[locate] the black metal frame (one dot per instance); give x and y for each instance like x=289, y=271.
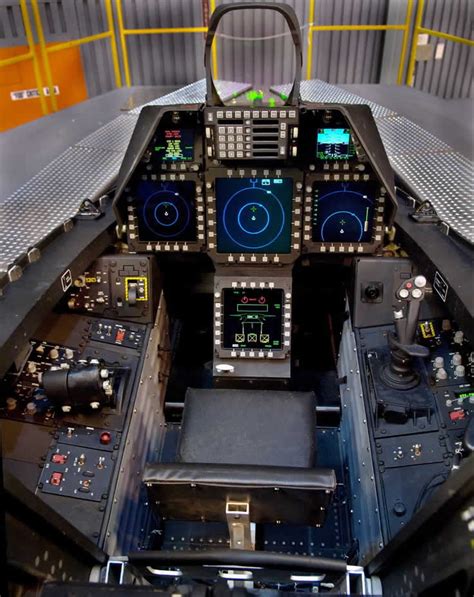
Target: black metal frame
x=450, y=257
x=435, y=543
x=212, y=96
x=39, y=524
x=333, y=247
x=159, y=247
x=211, y=210
x=30, y=299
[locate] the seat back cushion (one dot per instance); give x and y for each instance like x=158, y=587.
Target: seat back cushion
x=254, y=427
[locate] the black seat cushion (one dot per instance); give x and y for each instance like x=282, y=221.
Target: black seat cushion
x=248, y=427
x=293, y=495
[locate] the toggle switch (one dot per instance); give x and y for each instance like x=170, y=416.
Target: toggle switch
x=132, y=293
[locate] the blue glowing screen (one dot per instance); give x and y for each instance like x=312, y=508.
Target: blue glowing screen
x=343, y=211
x=334, y=144
x=254, y=215
x=166, y=211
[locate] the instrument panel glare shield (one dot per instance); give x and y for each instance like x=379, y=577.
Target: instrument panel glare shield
x=254, y=215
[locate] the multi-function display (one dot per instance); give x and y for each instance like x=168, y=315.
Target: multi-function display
x=334, y=144
x=174, y=145
x=343, y=211
x=166, y=210
x=252, y=318
x=254, y=215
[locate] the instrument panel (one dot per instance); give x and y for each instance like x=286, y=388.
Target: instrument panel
x=256, y=186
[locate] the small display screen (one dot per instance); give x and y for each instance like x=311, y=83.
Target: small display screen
x=174, y=145
x=463, y=394
x=343, y=211
x=166, y=210
x=253, y=318
x=254, y=215
x=334, y=144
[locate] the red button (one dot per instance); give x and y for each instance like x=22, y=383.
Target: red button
x=456, y=415
x=59, y=458
x=105, y=438
x=408, y=285
x=56, y=479
x=119, y=337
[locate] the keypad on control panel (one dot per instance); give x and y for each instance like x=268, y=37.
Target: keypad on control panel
x=249, y=134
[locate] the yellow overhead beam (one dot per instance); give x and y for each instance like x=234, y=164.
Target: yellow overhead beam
x=73, y=43
x=448, y=36
x=16, y=59
x=357, y=27
x=164, y=30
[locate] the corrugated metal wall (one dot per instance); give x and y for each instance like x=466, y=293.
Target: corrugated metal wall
x=97, y=57
x=12, y=32
x=269, y=59
x=164, y=59
x=338, y=57
x=348, y=56
x=451, y=76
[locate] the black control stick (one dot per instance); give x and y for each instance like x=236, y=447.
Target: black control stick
x=399, y=373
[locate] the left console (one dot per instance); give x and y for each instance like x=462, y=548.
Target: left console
x=67, y=401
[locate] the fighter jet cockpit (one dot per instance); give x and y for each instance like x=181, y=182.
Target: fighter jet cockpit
x=236, y=339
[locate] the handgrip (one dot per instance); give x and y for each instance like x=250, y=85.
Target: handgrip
x=412, y=350
x=212, y=97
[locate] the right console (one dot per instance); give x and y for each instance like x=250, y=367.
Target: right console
x=417, y=370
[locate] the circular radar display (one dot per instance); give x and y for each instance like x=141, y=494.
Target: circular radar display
x=166, y=211
x=343, y=212
x=254, y=215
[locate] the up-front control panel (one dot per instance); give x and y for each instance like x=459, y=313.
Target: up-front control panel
x=246, y=186
x=251, y=133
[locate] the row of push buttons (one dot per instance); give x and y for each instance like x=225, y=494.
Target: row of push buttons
x=256, y=114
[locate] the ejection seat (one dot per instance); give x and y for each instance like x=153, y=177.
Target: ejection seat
x=244, y=456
